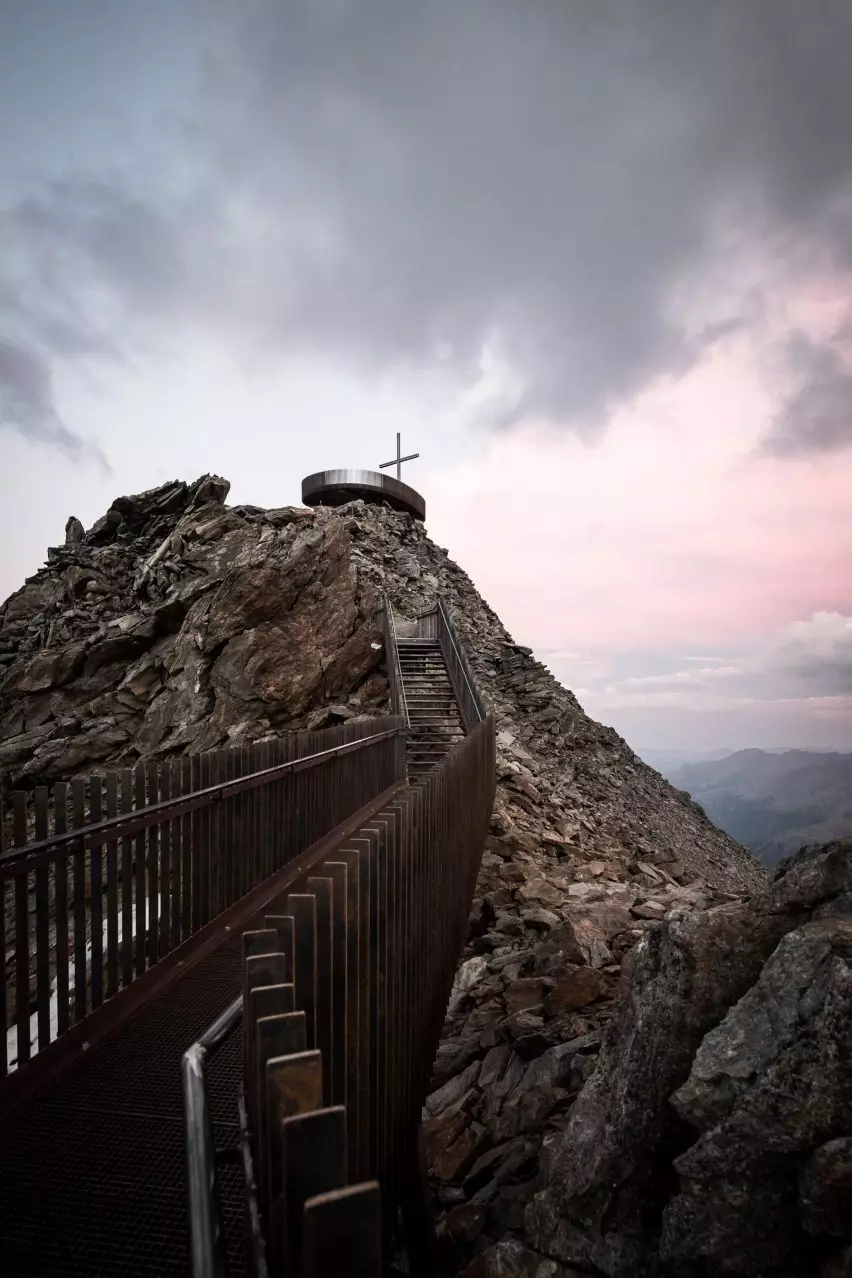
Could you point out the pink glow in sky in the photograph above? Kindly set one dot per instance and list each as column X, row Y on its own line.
column 671, row 534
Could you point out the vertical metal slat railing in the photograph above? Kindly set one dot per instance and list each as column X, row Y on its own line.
column 93, row 902
column 338, row 1062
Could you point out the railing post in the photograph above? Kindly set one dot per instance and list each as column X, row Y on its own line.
column 302, row 907
column 343, row 1231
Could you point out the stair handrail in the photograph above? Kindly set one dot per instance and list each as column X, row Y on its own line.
column 207, row 1246
column 475, row 699
column 399, row 704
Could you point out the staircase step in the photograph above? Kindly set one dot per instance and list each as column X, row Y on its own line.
column 450, row 725
column 435, row 725
column 429, row 694
column 425, row 676
column 433, row 714
column 450, row 736
column 431, row 703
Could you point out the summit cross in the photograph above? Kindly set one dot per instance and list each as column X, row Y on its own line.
column 397, row 461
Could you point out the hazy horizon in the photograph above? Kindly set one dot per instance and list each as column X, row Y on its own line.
column 723, row 751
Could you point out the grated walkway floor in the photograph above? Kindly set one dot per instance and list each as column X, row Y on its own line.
column 92, row 1173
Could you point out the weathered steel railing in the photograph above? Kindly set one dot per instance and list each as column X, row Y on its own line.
column 397, row 689
column 346, row 989
column 471, row 705
column 107, row 877
column 437, row 623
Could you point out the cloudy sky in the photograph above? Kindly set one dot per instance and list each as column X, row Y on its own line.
column 592, row 259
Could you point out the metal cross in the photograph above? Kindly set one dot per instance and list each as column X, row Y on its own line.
column 397, row 461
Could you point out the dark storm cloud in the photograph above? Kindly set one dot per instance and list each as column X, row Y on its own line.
column 544, row 176
column 27, row 404
column 817, row 417
column 101, row 226
column 396, row 185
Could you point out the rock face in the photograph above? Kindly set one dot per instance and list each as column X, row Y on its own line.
column 715, row 1134
column 178, row 624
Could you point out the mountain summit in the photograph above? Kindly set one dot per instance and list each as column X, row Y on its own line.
column 177, row 623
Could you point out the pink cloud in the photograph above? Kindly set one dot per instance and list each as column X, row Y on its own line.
column 670, row 529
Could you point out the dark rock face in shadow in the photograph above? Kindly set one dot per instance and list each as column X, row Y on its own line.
column 714, row 1135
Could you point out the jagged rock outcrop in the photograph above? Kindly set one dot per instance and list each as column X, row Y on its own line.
column 178, row 624
column 715, row 1134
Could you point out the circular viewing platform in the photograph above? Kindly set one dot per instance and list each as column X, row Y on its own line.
column 336, row 487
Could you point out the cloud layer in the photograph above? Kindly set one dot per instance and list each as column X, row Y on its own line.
column 817, row 416
column 27, row 402
column 601, row 251
column 794, row 689
column 402, row 188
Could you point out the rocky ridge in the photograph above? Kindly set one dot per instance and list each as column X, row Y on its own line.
column 177, row 623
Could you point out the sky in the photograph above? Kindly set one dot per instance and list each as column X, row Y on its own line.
column 592, row 260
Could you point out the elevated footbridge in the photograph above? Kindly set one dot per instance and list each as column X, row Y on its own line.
column 140, row 910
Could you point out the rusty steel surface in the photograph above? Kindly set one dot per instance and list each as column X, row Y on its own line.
column 95, row 833
column 372, row 948
column 432, row 704
column 100, row 1154
column 437, row 623
column 470, row 698
column 336, row 487
column 101, row 900
column 92, row 1175
column 62, row 1053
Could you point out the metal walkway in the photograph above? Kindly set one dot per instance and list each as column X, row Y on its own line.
column 92, row 1175
column 92, row 1168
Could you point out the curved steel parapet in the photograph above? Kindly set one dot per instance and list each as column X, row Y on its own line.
column 335, row 487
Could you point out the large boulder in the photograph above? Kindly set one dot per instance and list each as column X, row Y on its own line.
column 713, row 1136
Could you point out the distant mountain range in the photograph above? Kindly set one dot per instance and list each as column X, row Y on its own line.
column 668, row 761
column 770, row 801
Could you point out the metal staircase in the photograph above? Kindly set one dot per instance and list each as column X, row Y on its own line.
column 433, row 712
